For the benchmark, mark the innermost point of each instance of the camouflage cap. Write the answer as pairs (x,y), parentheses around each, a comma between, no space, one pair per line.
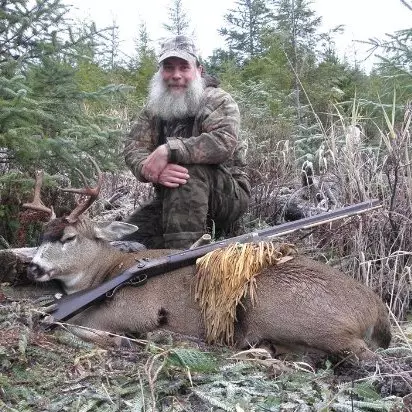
(178,46)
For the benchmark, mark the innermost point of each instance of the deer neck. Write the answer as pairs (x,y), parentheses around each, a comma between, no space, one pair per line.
(113,263)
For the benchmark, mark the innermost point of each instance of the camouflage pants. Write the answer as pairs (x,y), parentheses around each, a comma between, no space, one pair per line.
(177,217)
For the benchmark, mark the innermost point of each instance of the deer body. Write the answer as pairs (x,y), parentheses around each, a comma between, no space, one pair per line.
(300,303)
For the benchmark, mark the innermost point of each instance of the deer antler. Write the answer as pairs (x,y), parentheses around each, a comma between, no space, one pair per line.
(37,204)
(91,192)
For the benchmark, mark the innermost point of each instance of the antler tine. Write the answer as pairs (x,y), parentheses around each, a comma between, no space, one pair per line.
(91,192)
(37,204)
(81,175)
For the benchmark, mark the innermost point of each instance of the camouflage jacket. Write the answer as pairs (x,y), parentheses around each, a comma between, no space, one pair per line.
(211,137)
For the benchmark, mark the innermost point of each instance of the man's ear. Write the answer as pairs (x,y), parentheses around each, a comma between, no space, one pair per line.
(201,69)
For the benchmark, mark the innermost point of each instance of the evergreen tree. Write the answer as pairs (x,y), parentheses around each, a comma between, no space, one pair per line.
(143,65)
(298,25)
(390,82)
(330,81)
(178,20)
(31,30)
(246,26)
(48,116)
(45,117)
(27,28)
(111,52)
(143,42)
(327,50)
(395,60)
(217,63)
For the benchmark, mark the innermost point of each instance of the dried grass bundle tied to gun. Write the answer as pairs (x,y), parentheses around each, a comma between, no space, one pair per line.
(224,276)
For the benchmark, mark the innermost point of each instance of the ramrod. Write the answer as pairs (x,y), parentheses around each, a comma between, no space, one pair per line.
(300,304)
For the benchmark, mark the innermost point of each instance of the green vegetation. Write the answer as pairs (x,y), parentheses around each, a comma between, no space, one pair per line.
(66,92)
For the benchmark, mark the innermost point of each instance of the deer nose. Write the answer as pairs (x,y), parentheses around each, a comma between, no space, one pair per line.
(34,271)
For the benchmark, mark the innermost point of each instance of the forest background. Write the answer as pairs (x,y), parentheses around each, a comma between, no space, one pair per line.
(67,92)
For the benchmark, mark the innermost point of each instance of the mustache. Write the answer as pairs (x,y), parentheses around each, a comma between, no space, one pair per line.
(163,102)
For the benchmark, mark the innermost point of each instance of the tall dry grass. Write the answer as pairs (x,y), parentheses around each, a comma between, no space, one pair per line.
(379,245)
(376,247)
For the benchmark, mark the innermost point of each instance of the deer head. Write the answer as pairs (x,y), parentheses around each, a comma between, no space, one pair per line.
(72,244)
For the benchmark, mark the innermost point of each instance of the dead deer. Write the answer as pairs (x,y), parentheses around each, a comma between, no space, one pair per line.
(301,304)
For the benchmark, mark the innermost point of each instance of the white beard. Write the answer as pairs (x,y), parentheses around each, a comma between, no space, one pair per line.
(167,105)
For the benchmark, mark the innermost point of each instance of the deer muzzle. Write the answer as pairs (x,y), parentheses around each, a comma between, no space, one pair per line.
(37,273)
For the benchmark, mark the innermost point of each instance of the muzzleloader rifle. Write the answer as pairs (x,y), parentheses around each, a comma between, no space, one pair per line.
(69,305)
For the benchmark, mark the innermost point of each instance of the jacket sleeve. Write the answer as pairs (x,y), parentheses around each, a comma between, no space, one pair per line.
(219,121)
(139,144)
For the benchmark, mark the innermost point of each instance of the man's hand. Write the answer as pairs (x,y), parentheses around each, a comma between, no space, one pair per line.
(155,163)
(156,169)
(173,175)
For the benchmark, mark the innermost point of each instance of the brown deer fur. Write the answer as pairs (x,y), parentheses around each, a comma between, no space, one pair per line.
(300,304)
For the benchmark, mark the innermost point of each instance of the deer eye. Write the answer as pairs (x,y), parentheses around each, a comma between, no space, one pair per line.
(68,237)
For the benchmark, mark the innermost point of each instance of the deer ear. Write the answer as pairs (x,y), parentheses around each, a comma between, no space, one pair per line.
(115,230)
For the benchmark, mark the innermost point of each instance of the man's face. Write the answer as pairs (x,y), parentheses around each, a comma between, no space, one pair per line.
(177,74)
